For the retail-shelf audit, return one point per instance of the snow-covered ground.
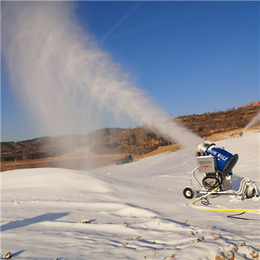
(136, 211)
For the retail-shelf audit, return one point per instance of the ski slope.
(132, 211)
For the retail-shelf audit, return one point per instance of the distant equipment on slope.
(126, 159)
(217, 164)
(240, 134)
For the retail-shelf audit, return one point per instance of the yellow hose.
(227, 210)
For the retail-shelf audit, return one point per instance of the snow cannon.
(217, 164)
(240, 134)
(225, 161)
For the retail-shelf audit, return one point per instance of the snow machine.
(217, 164)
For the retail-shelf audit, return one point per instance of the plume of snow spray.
(253, 122)
(67, 80)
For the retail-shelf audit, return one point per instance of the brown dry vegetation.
(208, 124)
(102, 147)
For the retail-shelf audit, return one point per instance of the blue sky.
(190, 57)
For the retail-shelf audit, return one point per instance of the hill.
(208, 124)
(131, 211)
(101, 147)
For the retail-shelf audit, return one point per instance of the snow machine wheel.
(250, 192)
(190, 192)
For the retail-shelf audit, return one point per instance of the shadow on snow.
(30, 221)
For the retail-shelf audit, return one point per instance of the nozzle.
(203, 147)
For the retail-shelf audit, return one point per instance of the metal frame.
(243, 187)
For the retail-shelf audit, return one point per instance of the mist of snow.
(67, 81)
(254, 121)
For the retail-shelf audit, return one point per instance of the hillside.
(222, 121)
(103, 141)
(132, 211)
(101, 147)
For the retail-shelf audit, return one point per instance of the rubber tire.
(250, 192)
(189, 193)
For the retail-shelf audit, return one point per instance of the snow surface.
(136, 211)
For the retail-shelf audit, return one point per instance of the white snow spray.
(253, 122)
(67, 81)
